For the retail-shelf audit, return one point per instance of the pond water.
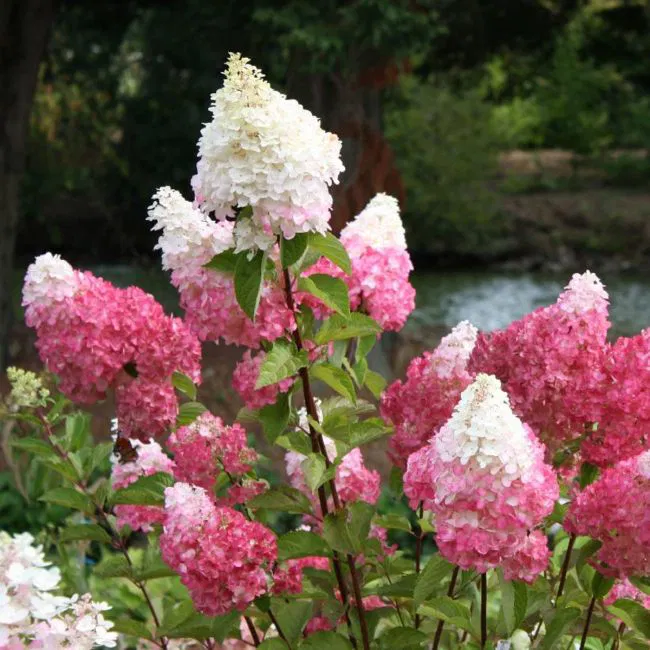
(491, 300)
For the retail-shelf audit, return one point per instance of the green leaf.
(292, 616)
(313, 468)
(402, 637)
(402, 588)
(332, 292)
(86, 532)
(338, 328)
(198, 626)
(446, 609)
(586, 550)
(375, 383)
(114, 566)
(275, 417)
(641, 583)
(183, 383)
(100, 455)
(514, 601)
(281, 361)
(273, 644)
(396, 480)
(337, 533)
(633, 614)
(336, 378)
(393, 521)
(364, 345)
(431, 579)
(600, 585)
(331, 248)
(558, 625)
(132, 628)
(249, 276)
(361, 514)
(146, 491)
(77, 431)
(588, 474)
(34, 446)
(70, 498)
(295, 441)
(284, 499)
(325, 641)
(301, 543)
(188, 412)
(226, 261)
(359, 371)
(291, 250)
(153, 569)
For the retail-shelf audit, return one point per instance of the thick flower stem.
(484, 597)
(565, 567)
(418, 554)
(441, 623)
(585, 631)
(318, 446)
(619, 633)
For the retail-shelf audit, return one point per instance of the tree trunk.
(24, 30)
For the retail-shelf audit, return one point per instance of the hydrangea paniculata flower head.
(49, 279)
(552, 362)
(206, 447)
(615, 509)
(222, 558)
(381, 264)
(150, 459)
(265, 151)
(488, 483)
(420, 405)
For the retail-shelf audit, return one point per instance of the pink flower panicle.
(150, 460)
(206, 447)
(88, 331)
(421, 404)
(625, 589)
(551, 362)
(245, 377)
(220, 556)
(491, 485)
(287, 578)
(615, 509)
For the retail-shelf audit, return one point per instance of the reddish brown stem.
(484, 597)
(418, 554)
(585, 632)
(441, 623)
(565, 566)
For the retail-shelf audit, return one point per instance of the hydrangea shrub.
(521, 457)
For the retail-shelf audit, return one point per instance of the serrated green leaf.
(331, 248)
(291, 250)
(338, 328)
(77, 431)
(184, 384)
(132, 628)
(325, 641)
(70, 498)
(402, 637)
(295, 441)
(146, 491)
(514, 602)
(153, 569)
(641, 583)
(273, 644)
(34, 446)
(189, 412)
(586, 550)
(558, 625)
(249, 277)
(446, 609)
(313, 469)
(225, 262)
(301, 543)
(588, 474)
(600, 585)
(85, 532)
(337, 533)
(633, 614)
(393, 521)
(292, 617)
(401, 588)
(281, 361)
(375, 383)
(115, 566)
(275, 417)
(100, 454)
(175, 614)
(336, 378)
(431, 579)
(284, 499)
(332, 292)
(364, 345)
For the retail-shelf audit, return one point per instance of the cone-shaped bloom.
(150, 459)
(489, 485)
(220, 556)
(188, 241)
(265, 151)
(89, 332)
(615, 509)
(552, 362)
(419, 406)
(206, 447)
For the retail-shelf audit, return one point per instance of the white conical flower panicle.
(49, 279)
(584, 292)
(188, 236)
(453, 352)
(378, 225)
(265, 151)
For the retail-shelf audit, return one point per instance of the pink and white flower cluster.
(419, 406)
(484, 478)
(222, 558)
(150, 459)
(92, 334)
(245, 378)
(32, 616)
